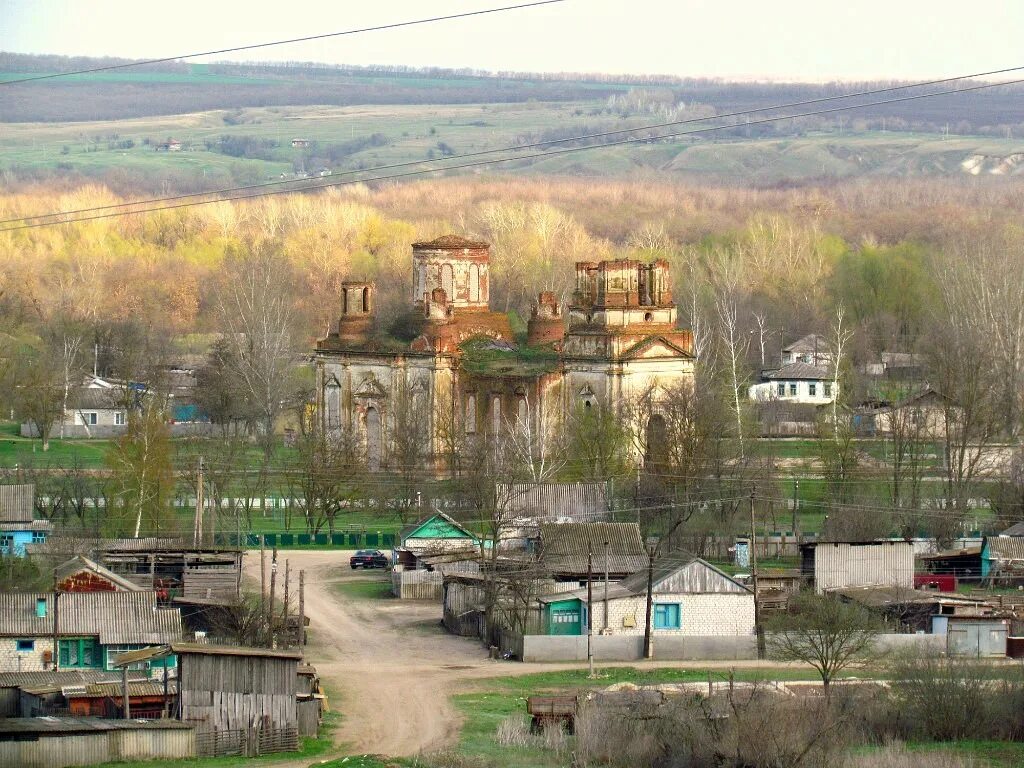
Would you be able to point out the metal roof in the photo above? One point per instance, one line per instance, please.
(1017, 529)
(17, 503)
(114, 617)
(142, 688)
(17, 725)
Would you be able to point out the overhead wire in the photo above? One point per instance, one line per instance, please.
(306, 39)
(302, 185)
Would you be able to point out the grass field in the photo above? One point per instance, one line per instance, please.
(366, 589)
(414, 131)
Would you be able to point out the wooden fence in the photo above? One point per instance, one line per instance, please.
(251, 742)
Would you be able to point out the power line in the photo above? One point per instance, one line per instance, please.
(309, 38)
(553, 142)
(459, 166)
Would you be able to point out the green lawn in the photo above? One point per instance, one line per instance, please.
(365, 589)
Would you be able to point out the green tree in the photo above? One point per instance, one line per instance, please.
(143, 473)
(36, 383)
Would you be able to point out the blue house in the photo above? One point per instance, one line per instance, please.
(1002, 557)
(17, 526)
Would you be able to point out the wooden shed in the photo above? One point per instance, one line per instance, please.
(249, 693)
(54, 742)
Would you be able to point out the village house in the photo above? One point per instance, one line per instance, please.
(18, 526)
(690, 598)
(41, 692)
(91, 628)
(570, 553)
(795, 383)
(920, 415)
(843, 564)
(812, 349)
(426, 550)
(1002, 560)
(459, 367)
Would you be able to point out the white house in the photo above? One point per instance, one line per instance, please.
(812, 349)
(797, 383)
(692, 598)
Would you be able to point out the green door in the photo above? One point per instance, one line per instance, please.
(565, 618)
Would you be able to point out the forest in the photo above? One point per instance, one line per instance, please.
(925, 267)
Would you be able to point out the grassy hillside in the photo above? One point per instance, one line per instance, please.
(122, 153)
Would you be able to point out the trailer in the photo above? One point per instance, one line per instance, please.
(546, 711)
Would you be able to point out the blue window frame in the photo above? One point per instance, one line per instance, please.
(782, 389)
(26, 646)
(792, 389)
(666, 615)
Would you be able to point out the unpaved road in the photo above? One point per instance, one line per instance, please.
(388, 664)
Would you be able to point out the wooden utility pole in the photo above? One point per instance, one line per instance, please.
(758, 629)
(302, 609)
(124, 692)
(263, 577)
(590, 612)
(273, 594)
(197, 528)
(287, 634)
(56, 642)
(648, 644)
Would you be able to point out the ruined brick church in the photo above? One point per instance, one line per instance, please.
(461, 367)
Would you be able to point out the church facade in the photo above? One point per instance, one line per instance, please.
(459, 370)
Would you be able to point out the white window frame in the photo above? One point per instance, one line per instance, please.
(120, 418)
(90, 418)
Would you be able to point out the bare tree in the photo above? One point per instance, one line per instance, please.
(256, 313)
(325, 477)
(826, 633)
(36, 381)
(534, 441)
(143, 476)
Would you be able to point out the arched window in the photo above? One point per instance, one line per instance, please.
(470, 414)
(366, 299)
(648, 316)
(523, 414)
(333, 405)
(474, 283)
(496, 414)
(448, 281)
(657, 435)
(373, 439)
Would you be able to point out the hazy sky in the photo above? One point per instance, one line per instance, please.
(776, 39)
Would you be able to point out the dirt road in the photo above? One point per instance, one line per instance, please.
(388, 665)
(389, 660)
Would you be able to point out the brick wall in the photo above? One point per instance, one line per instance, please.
(13, 660)
(702, 615)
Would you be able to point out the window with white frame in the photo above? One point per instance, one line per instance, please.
(828, 389)
(792, 389)
(90, 417)
(120, 419)
(812, 389)
(781, 389)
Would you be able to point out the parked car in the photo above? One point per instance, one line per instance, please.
(369, 558)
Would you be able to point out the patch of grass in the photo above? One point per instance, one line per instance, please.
(483, 712)
(365, 589)
(482, 357)
(987, 754)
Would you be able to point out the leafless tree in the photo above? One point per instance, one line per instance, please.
(256, 313)
(325, 477)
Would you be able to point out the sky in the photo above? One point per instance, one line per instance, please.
(804, 40)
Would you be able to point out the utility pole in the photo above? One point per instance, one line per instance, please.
(263, 576)
(590, 612)
(648, 642)
(197, 528)
(302, 609)
(606, 587)
(758, 629)
(56, 643)
(273, 591)
(796, 503)
(286, 578)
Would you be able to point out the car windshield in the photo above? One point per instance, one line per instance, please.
(365, 553)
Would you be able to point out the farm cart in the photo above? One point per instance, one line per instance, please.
(549, 710)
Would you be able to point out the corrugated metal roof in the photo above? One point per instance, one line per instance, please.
(114, 617)
(554, 501)
(17, 503)
(180, 649)
(32, 525)
(562, 539)
(670, 577)
(143, 688)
